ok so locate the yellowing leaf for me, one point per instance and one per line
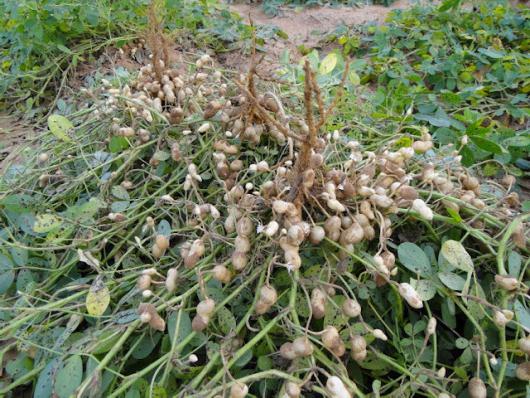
(59, 127)
(328, 64)
(98, 297)
(456, 255)
(46, 223)
(354, 78)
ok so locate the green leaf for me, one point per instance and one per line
(522, 313)
(475, 308)
(126, 316)
(301, 305)
(146, 345)
(227, 321)
(328, 64)
(44, 385)
(461, 343)
(414, 258)
(514, 264)
(456, 255)
(7, 274)
(24, 280)
(184, 327)
(449, 4)
(452, 280)
(488, 52)
(354, 78)
(60, 126)
(120, 206)
(333, 314)
(119, 192)
(487, 145)
(46, 223)
(133, 393)
(425, 288)
(244, 359)
(374, 363)
(105, 341)
(161, 156)
(264, 362)
(20, 366)
(518, 141)
(85, 211)
(19, 255)
(437, 121)
(118, 144)
(158, 391)
(69, 377)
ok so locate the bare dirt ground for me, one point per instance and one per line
(307, 26)
(13, 133)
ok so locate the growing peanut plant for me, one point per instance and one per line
(190, 233)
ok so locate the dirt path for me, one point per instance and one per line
(305, 26)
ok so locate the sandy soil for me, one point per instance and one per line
(303, 26)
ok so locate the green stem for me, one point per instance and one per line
(173, 346)
(213, 361)
(15, 324)
(243, 350)
(267, 374)
(131, 379)
(482, 337)
(340, 370)
(22, 380)
(501, 269)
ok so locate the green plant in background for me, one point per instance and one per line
(41, 42)
(274, 7)
(465, 74)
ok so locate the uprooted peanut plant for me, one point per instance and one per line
(194, 234)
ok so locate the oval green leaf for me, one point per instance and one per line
(328, 64)
(7, 274)
(60, 126)
(452, 281)
(425, 288)
(69, 377)
(414, 258)
(454, 252)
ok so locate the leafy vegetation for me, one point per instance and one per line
(463, 74)
(42, 42)
(182, 230)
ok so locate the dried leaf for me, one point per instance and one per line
(87, 258)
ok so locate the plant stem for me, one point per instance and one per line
(501, 269)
